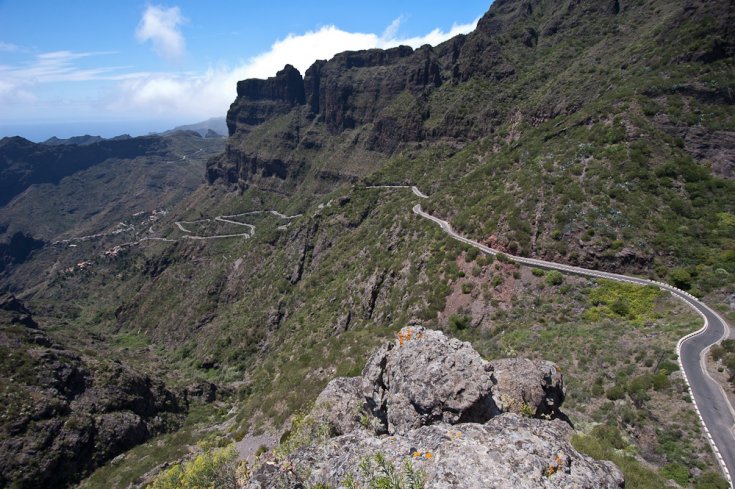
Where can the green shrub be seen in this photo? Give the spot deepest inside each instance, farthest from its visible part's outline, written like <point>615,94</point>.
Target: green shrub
<point>620,307</point>
<point>304,431</point>
<point>615,392</point>
<point>459,321</point>
<point>676,472</point>
<point>471,255</point>
<point>216,468</point>
<point>467,287</point>
<point>382,474</point>
<point>710,480</point>
<point>609,435</point>
<point>636,474</point>
<point>668,366</point>
<point>503,258</point>
<point>681,278</point>
<point>554,277</point>
<point>537,272</point>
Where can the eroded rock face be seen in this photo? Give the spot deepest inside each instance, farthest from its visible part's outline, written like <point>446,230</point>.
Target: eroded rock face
<point>424,378</point>
<point>507,451</point>
<point>341,405</point>
<point>63,414</point>
<point>434,401</point>
<point>528,387</point>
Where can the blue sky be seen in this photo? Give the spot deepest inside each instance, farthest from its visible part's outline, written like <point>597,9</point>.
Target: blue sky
<point>112,67</point>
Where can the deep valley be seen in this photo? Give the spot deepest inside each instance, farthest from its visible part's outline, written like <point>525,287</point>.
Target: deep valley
<point>175,304</point>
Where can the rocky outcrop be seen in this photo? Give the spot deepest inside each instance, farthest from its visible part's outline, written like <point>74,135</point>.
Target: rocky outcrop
<point>426,378</point>
<point>260,100</point>
<point>430,405</point>
<point>715,148</point>
<point>64,414</point>
<point>528,387</point>
<point>507,451</point>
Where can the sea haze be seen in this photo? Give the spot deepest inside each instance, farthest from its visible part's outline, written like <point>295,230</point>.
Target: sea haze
<point>39,132</point>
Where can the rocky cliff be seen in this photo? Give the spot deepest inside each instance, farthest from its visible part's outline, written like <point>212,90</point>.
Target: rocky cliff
<point>429,408</point>
<point>534,81</point>
<point>377,101</point>
<point>64,414</point>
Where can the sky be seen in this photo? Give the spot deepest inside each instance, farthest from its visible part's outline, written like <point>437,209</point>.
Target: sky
<point>114,67</point>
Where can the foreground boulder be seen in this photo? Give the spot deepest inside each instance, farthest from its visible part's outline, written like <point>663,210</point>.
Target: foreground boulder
<point>429,407</point>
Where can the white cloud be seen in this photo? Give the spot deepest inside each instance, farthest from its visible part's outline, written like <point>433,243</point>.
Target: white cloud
<point>17,83</point>
<point>11,92</point>
<point>8,47</point>
<point>437,36</point>
<point>210,94</point>
<point>391,31</point>
<point>160,26</point>
<point>58,66</point>
<point>33,87</point>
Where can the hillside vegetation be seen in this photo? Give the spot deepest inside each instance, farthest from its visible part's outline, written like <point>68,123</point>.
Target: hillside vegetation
<point>597,133</point>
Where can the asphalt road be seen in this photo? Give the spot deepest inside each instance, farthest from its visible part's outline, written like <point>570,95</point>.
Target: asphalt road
<point>710,400</point>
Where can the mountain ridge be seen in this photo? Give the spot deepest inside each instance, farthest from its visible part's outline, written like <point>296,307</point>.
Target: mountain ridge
<point>559,130</point>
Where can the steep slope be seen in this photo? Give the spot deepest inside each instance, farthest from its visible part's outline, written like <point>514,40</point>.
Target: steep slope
<point>590,114</point>
<point>64,414</point>
<point>23,163</point>
<point>103,188</point>
<point>582,131</point>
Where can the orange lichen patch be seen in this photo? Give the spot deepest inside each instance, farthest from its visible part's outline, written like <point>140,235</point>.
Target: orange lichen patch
<point>555,465</point>
<point>424,455</point>
<point>406,335</point>
<point>454,435</point>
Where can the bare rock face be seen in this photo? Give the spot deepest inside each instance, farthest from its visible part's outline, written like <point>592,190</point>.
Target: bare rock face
<point>424,378</point>
<point>507,451</point>
<point>66,414</point>
<point>432,404</point>
<point>528,387</point>
<point>340,405</point>
<point>715,147</point>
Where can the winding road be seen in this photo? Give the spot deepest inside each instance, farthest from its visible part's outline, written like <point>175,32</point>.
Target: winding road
<point>709,398</point>
<point>229,220</point>
<point>188,234</point>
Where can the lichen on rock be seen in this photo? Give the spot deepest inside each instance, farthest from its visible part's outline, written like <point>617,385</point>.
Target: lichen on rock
<point>428,404</point>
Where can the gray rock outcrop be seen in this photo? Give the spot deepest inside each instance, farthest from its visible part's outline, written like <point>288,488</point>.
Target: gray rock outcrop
<point>429,405</point>
<point>424,378</point>
<point>529,387</point>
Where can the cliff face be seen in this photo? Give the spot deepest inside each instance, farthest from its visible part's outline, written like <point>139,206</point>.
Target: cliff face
<point>361,101</point>
<point>65,414</point>
<point>375,101</point>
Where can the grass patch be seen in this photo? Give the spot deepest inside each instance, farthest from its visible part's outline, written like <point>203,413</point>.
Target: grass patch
<point>621,300</point>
